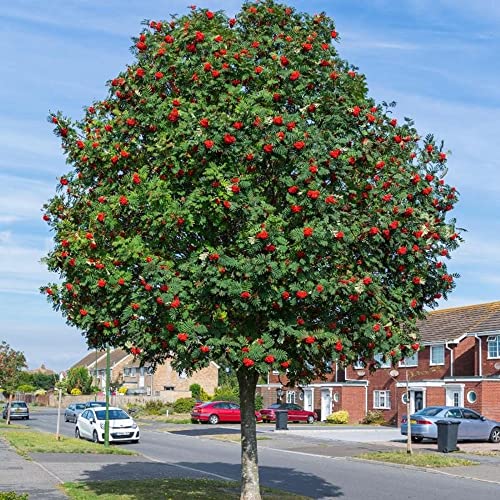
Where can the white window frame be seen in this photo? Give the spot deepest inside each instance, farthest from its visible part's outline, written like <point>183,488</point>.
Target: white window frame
<point>359,365</point>
<point>382,400</point>
<point>291,397</point>
<point>493,341</point>
<point>432,348</point>
<point>380,359</point>
<point>410,361</point>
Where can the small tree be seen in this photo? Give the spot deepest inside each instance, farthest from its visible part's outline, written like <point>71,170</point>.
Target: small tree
<point>12,364</point>
<point>238,197</point>
<point>78,378</point>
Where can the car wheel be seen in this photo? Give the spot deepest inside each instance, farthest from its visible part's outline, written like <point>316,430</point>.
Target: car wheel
<point>310,419</point>
<point>417,439</point>
<point>95,437</point>
<point>77,433</point>
<point>495,435</point>
<point>213,419</point>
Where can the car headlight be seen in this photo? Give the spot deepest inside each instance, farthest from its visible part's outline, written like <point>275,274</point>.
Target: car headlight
<point>134,426</point>
<point>101,425</point>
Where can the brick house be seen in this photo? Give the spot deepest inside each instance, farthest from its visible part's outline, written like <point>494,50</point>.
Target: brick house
<point>126,371</point>
<point>458,365</point>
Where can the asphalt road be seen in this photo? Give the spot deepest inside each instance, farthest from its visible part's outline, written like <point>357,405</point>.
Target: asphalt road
<point>291,469</point>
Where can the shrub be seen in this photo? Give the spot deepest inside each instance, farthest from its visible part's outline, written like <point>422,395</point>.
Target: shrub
<point>123,390</point>
<point>227,393</point>
<point>154,408</point>
<point>373,417</point>
<point>338,417</point>
<point>259,402</point>
<point>195,390</point>
<point>76,392</point>
<point>26,388</point>
<point>12,495</point>
<point>184,405</point>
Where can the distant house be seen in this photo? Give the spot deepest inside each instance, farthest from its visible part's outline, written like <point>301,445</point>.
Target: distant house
<point>126,371</point>
<point>458,365</point>
<point>42,370</point>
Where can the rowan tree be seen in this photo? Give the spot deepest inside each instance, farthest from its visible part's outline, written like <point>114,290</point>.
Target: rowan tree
<point>237,196</point>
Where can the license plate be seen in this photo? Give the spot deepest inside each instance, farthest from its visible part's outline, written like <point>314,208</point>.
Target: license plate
<point>121,433</point>
<point>413,421</point>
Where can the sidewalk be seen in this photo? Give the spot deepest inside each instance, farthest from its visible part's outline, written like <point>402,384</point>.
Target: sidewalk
<point>41,476</point>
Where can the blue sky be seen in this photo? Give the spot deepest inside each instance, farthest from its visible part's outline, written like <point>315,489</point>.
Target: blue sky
<point>437,59</point>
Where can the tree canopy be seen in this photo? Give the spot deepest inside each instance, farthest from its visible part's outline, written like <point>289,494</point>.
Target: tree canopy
<point>12,363</point>
<point>238,196</point>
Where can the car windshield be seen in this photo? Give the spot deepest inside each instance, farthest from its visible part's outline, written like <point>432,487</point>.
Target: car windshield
<point>80,406</point>
<point>92,404</point>
<point>429,412</point>
<point>275,406</point>
<point>113,415</point>
<point>18,405</point>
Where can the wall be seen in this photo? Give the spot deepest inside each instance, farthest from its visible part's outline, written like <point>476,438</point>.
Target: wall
<point>121,401</point>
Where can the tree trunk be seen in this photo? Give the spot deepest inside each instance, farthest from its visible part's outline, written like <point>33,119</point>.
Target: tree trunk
<point>250,487</point>
<point>9,408</point>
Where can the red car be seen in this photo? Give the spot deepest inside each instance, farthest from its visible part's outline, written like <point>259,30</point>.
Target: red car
<point>295,413</point>
<point>218,411</point>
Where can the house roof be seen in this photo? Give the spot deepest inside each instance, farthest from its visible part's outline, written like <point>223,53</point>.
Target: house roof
<point>451,324</point>
<point>115,357</point>
<point>43,370</point>
<point>89,359</point>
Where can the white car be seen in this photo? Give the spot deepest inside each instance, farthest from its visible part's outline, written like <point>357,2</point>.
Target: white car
<point>90,425</point>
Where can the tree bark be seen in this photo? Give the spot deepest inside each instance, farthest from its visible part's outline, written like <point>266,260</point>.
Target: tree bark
<point>250,486</point>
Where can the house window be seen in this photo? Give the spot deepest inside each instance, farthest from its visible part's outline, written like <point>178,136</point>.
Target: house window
<point>493,346</point>
<point>381,400</point>
<point>379,358</point>
<point>471,397</point>
<point>290,396</point>
<point>437,355</point>
<point>410,361</point>
<point>358,364</point>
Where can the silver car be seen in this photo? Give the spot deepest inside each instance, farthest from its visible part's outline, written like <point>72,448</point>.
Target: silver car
<point>473,426</point>
<point>72,411</point>
<point>18,409</point>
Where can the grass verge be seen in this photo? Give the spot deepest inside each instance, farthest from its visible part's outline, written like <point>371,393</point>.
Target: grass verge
<point>30,441</point>
<point>172,489</point>
<point>417,459</point>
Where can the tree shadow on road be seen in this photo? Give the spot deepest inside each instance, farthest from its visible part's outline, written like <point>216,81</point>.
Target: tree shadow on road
<point>283,478</point>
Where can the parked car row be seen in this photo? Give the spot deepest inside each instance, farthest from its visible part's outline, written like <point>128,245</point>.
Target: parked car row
<point>472,425</point>
<point>74,409</point>
<point>214,412</point>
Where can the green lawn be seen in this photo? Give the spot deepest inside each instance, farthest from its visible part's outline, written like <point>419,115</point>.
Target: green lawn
<point>27,441</point>
<point>417,459</point>
<point>162,489</point>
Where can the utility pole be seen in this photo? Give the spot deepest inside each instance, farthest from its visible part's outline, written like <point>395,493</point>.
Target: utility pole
<point>106,422</point>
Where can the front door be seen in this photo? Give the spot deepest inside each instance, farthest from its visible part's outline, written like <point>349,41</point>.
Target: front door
<point>418,400</point>
<point>308,400</point>
<point>326,403</point>
<point>454,396</point>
